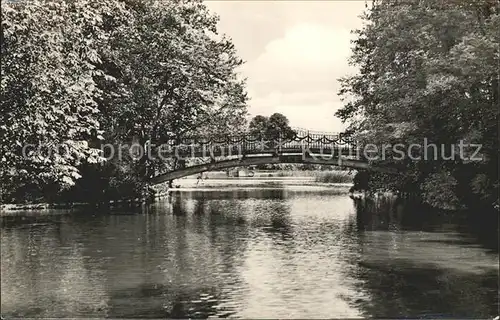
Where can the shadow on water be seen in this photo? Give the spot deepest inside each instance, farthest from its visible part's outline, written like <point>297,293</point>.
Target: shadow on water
<point>251,254</point>
<point>390,213</point>
<point>221,194</point>
<point>402,290</point>
<point>30,221</point>
<point>424,261</point>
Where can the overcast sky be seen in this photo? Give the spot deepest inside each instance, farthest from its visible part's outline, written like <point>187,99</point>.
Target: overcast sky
<point>294,51</point>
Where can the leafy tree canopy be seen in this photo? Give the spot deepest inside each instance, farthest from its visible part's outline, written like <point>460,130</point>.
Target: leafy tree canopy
<point>429,69</point>
<point>76,74</point>
<point>277,125</point>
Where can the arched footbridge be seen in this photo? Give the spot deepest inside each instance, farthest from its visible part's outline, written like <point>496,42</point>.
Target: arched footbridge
<point>304,147</point>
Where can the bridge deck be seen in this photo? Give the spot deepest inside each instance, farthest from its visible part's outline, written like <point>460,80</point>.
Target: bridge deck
<point>326,149</point>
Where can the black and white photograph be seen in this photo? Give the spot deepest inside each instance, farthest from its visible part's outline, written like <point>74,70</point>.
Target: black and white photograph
<point>249,159</point>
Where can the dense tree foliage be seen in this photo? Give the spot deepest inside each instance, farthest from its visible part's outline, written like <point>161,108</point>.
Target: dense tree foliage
<point>277,125</point>
<point>48,91</point>
<point>430,70</point>
<point>79,74</point>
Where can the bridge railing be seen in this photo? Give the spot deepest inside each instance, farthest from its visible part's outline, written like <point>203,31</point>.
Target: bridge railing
<point>198,146</point>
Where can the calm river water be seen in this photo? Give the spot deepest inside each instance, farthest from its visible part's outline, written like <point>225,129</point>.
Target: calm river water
<point>249,252</point>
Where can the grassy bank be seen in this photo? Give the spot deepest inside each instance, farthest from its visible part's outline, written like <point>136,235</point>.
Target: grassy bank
<point>339,176</point>
<point>334,177</point>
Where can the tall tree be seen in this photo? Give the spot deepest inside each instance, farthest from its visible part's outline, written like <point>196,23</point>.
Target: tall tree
<point>173,75</point>
<point>48,92</point>
<point>259,125</point>
<point>277,125</point>
<point>120,71</point>
<point>429,69</point>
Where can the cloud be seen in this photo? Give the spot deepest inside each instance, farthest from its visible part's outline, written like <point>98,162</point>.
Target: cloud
<point>308,57</point>
<point>310,44</point>
<point>297,75</point>
<point>250,24</point>
<point>295,53</point>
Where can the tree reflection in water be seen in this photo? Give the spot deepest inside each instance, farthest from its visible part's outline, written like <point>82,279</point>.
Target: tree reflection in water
<point>411,257</point>
<point>250,253</point>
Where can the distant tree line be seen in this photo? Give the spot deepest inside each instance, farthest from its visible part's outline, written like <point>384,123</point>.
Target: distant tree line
<point>429,69</point>
<point>80,74</point>
<point>272,127</point>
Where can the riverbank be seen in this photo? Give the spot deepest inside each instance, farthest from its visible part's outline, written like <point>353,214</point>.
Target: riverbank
<point>257,181</point>
<point>333,176</point>
<point>300,177</point>
<point>215,180</point>
<point>40,208</point>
